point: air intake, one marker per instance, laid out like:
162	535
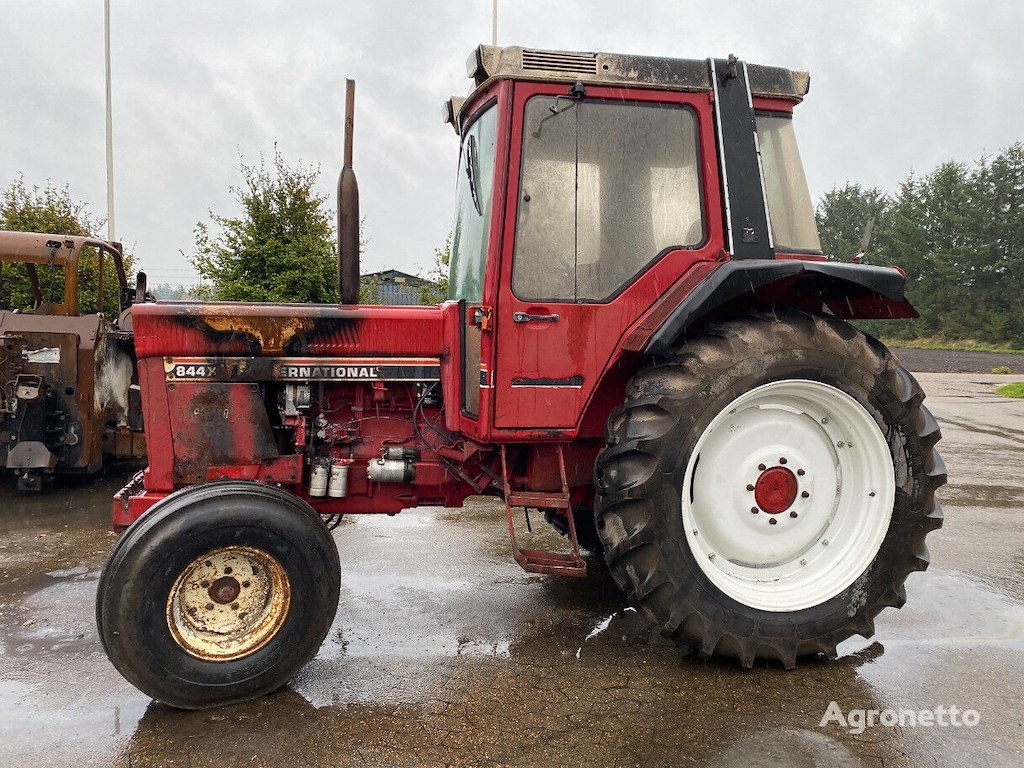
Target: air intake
551	61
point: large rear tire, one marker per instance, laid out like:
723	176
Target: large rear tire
218	594
766	490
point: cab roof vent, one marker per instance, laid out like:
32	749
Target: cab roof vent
556	61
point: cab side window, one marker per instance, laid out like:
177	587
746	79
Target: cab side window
605	187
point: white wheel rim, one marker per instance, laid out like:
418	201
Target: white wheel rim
228	603
801	442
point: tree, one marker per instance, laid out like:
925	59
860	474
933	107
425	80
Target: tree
281	248
436	289
958	233
844	212
51	210
169	292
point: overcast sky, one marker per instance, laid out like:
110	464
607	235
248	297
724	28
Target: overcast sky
895	87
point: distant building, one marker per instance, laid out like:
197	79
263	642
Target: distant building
392	287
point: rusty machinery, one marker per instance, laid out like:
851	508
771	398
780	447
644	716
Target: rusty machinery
70	397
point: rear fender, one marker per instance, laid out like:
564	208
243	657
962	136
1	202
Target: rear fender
848	291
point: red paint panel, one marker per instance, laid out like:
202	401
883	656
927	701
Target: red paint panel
217	424
801	257
762	103
159	474
268	329
663	308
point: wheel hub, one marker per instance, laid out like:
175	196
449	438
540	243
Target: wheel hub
228	603
225	590
775	490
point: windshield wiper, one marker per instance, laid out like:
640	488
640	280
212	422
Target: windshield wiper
472	168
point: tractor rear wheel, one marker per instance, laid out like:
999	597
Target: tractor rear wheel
766	490
218	594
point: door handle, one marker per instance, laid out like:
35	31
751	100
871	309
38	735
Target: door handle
523	317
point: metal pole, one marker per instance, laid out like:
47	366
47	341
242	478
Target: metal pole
110	123
494	24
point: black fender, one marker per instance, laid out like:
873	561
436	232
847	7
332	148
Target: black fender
849	291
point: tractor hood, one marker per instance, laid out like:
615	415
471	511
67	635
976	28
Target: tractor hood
258	330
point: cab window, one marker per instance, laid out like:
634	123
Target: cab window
605	187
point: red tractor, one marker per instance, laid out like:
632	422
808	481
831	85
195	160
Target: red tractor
642	340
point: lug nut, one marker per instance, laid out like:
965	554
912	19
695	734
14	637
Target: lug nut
750	487
804	494
793	513
754	510
782	460
801	472
772	521
762	467
209	606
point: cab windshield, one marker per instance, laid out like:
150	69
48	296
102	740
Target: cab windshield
473	192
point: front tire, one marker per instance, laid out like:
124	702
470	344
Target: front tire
218	594
766	490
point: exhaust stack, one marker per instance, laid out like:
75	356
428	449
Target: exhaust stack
348	210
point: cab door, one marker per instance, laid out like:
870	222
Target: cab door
605	211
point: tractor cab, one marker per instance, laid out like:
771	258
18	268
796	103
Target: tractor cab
589	186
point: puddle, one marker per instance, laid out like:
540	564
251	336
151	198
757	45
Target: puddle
948	612
786	748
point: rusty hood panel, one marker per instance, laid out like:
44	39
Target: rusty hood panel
192	328
85	327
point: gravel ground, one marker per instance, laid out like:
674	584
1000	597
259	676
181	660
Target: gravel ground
954	361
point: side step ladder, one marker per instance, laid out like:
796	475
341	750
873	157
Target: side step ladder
541	560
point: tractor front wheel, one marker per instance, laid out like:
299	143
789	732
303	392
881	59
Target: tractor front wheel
218	594
766	490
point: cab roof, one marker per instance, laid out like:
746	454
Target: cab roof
487	63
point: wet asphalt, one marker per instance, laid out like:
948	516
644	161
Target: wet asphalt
445	653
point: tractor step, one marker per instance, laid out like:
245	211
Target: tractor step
540	560
538	500
551	563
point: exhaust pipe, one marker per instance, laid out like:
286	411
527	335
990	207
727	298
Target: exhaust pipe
348	210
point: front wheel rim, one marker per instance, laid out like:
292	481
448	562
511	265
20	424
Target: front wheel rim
228	603
788	495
